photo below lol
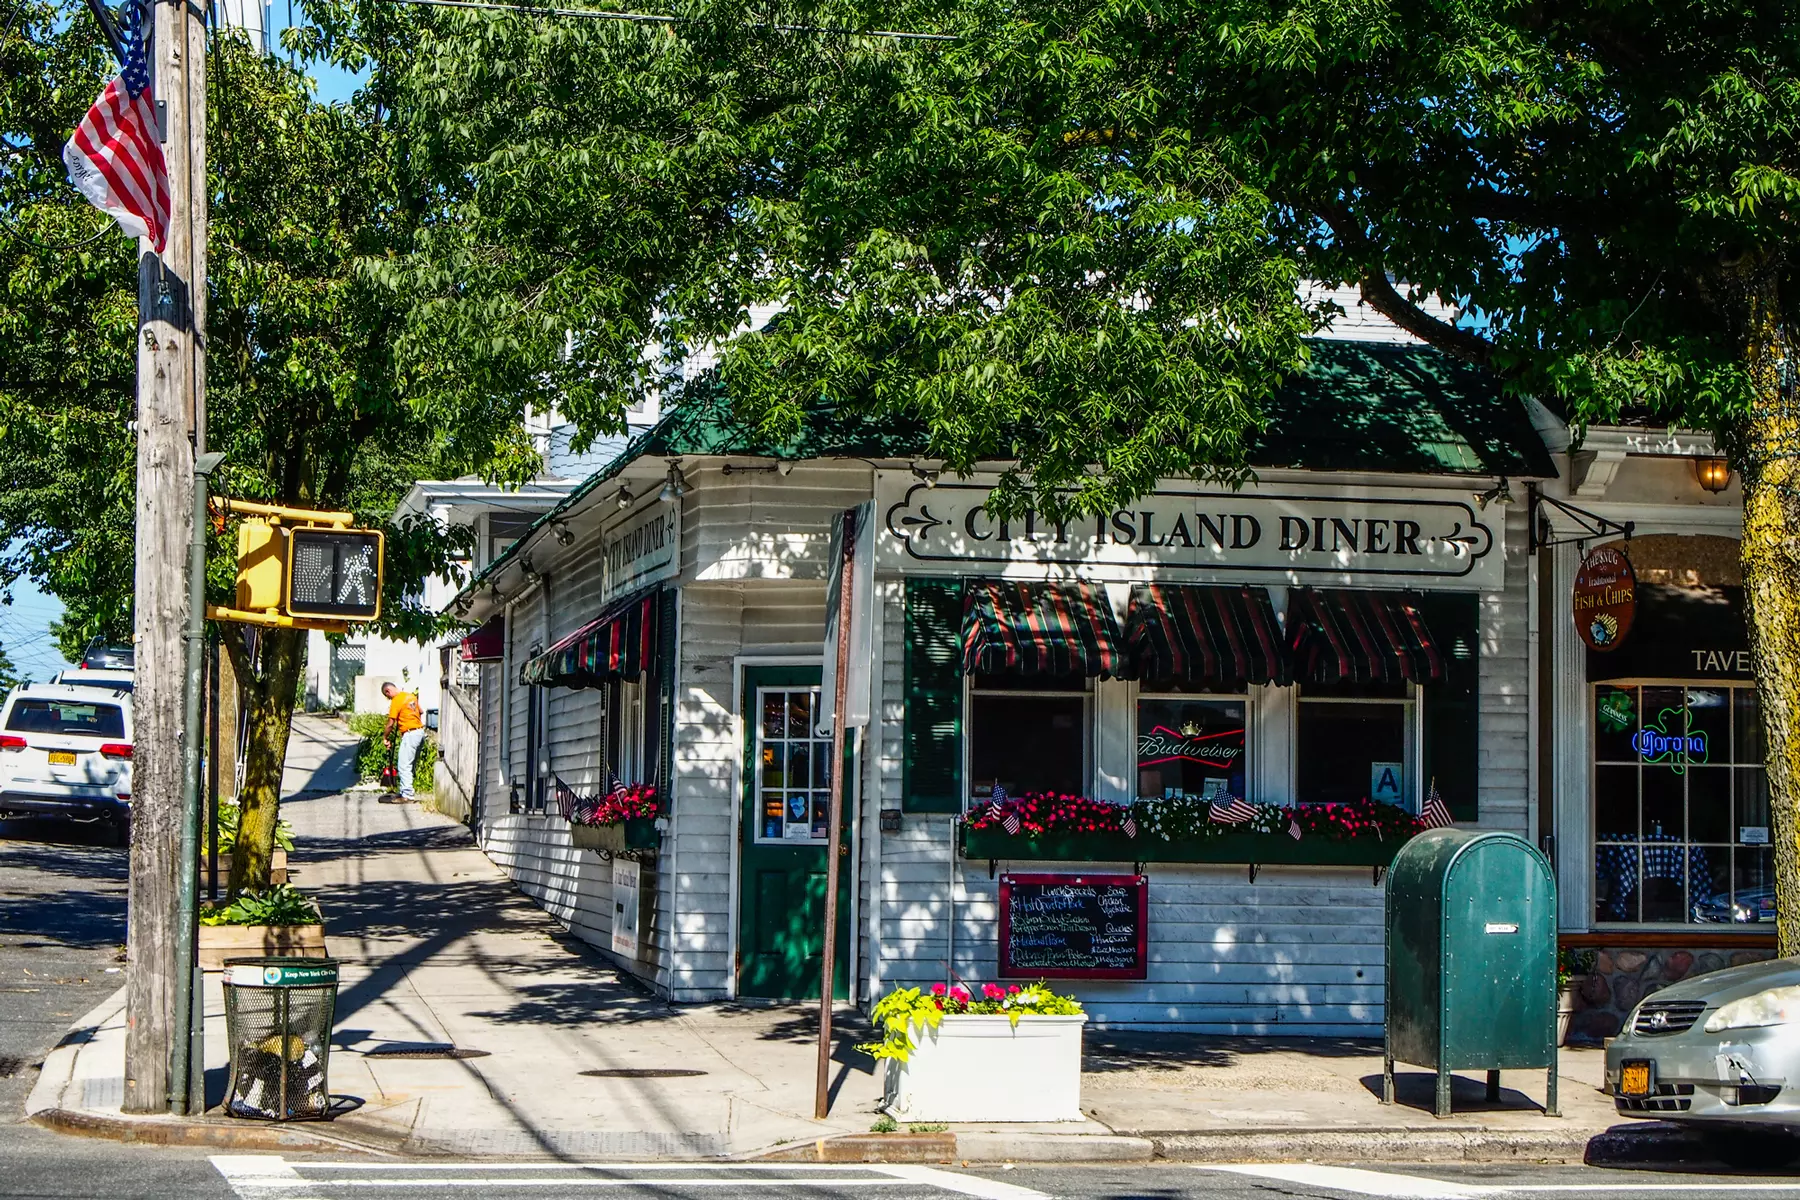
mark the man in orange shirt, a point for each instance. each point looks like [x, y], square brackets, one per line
[407, 724]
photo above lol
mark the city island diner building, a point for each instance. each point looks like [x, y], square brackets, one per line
[1369, 618]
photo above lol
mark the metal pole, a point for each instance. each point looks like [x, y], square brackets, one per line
[187, 901]
[828, 967]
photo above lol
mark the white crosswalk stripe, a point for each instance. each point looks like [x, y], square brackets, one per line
[272, 1177]
[1388, 1185]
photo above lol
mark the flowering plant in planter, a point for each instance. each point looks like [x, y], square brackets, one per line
[1357, 819]
[1188, 818]
[639, 800]
[900, 1009]
[1051, 812]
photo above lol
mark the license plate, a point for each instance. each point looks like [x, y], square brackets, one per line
[1634, 1079]
[62, 758]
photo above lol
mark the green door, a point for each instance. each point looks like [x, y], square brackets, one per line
[782, 849]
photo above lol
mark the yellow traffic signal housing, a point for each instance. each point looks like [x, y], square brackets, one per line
[334, 574]
[314, 573]
[261, 562]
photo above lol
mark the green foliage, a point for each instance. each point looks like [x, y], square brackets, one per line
[279, 905]
[897, 1012]
[9, 674]
[231, 813]
[884, 1124]
[1571, 963]
[372, 752]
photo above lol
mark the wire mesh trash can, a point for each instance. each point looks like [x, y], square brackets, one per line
[278, 1016]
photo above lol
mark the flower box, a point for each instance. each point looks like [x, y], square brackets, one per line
[985, 1068]
[1259, 848]
[633, 833]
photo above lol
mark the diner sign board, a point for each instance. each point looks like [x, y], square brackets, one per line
[641, 548]
[1604, 600]
[1074, 927]
[1428, 538]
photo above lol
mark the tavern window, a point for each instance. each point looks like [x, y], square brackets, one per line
[1029, 734]
[1191, 743]
[793, 775]
[1681, 805]
[1357, 741]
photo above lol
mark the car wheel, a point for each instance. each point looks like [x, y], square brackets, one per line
[1753, 1148]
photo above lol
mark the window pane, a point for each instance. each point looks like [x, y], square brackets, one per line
[1709, 804]
[821, 814]
[772, 815]
[1752, 803]
[1711, 900]
[1753, 885]
[1615, 721]
[1664, 803]
[1709, 715]
[1615, 804]
[773, 705]
[1616, 883]
[821, 767]
[1027, 743]
[799, 724]
[1666, 867]
[1746, 721]
[799, 816]
[774, 765]
[1339, 743]
[799, 764]
[1190, 747]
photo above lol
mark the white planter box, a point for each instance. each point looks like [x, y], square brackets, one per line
[987, 1069]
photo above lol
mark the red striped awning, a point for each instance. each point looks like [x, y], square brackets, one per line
[1204, 634]
[1340, 636]
[487, 643]
[615, 645]
[1039, 629]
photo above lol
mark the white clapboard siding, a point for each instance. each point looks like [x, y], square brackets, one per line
[1503, 777]
[764, 525]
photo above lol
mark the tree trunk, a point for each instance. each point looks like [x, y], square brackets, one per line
[1771, 561]
[268, 698]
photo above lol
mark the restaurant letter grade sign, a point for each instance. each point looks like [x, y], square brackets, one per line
[1428, 538]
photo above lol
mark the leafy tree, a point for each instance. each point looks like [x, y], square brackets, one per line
[304, 395]
[1069, 236]
[9, 674]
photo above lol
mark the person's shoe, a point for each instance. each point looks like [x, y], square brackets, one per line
[393, 798]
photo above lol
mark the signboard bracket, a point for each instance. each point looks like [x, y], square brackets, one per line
[1592, 525]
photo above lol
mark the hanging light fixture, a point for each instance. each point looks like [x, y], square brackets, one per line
[624, 497]
[674, 487]
[1714, 474]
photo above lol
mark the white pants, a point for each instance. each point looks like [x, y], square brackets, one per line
[410, 741]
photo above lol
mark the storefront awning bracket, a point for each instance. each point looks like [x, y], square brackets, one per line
[1592, 525]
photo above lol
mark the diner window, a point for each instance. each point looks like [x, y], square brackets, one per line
[1681, 806]
[1355, 741]
[1028, 734]
[1191, 745]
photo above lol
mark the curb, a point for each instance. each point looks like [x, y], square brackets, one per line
[176, 1131]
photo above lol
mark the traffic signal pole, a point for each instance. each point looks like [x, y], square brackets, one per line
[171, 415]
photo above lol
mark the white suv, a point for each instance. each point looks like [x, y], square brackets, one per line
[65, 751]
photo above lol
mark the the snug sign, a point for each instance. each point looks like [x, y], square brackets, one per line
[1301, 533]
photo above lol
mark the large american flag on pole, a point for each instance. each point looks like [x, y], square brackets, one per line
[115, 156]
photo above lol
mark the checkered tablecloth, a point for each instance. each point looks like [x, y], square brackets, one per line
[1663, 858]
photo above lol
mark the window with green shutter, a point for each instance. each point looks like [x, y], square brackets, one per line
[932, 775]
[1453, 707]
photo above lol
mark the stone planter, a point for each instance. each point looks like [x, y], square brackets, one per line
[220, 942]
[635, 833]
[987, 1069]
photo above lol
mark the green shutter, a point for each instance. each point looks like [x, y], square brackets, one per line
[1453, 707]
[666, 645]
[932, 778]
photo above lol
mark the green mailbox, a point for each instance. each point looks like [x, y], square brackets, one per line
[1471, 959]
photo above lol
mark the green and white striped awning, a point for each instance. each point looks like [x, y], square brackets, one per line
[1050, 629]
[615, 645]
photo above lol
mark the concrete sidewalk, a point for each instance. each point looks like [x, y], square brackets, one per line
[439, 949]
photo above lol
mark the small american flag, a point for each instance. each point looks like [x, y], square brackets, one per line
[1235, 812]
[115, 155]
[996, 805]
[1129, 824]
[1294, 828]
[614, 785]
[1434, 815]
[1010, 822]
[567, 802]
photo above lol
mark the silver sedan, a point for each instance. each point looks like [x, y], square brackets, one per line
[1721, 1049]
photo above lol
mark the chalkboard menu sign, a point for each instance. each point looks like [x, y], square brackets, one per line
[1074, 926]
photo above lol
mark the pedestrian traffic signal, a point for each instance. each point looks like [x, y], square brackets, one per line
[334, 574]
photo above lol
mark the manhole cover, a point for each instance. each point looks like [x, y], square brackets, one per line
[10, 1066]
[643, 1073]
[423, 1050]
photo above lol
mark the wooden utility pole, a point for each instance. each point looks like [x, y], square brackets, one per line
[828, 967]
[170, 415]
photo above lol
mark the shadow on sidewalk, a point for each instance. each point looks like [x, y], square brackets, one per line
[1124, 1050]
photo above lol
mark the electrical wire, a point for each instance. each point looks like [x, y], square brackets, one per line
[598, 14]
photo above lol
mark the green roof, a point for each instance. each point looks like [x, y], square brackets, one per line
[1359, 406]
